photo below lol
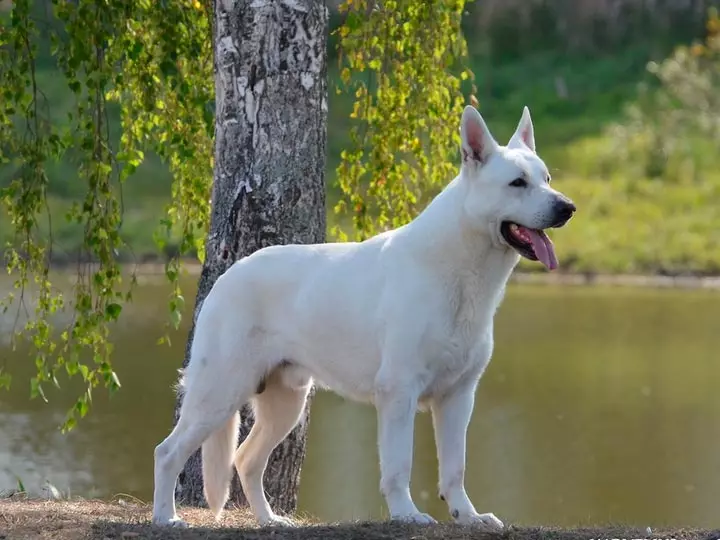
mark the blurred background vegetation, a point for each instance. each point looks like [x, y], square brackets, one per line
[624, 95]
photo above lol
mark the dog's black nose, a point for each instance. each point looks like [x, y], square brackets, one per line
[564, 210]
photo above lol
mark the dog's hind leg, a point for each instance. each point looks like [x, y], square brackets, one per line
[170, 457]
[278, 409]
[208, 418]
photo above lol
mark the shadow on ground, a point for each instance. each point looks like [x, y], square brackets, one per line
[95, 520]
[388, 531]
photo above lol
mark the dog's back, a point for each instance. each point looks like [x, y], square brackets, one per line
[312, 305]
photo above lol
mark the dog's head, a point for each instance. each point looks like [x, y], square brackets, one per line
[508, 189]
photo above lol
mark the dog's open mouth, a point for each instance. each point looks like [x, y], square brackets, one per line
[532, 244]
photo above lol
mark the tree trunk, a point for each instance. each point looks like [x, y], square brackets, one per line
[270, 136]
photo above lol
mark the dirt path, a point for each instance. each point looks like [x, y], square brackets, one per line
[95, 520]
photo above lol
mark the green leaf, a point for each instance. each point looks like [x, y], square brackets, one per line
[175, 318]
[113, 311]
[114, 383]
[5, 379]
[69, 424]
[36, 389]
[81, 407]
[135, 50]
[74, 86]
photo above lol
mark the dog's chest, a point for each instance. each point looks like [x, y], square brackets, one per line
[473, 300]
[463, 346]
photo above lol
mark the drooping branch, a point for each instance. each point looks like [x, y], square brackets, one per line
[404, 143]
[158, 65]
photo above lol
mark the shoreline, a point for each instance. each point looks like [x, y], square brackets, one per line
[618, 280]
[193, 268]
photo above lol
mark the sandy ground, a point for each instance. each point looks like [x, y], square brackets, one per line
[96, 520]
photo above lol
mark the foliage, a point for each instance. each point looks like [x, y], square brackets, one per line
[157, 64]
[513, 29]
[647, 187]
[668, 133]
[398, 58]
[635, 225]
[154, 61]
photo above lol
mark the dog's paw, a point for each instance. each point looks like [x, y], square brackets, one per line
[273, 520]
[418, 517]
[486, 522]
[174, 521]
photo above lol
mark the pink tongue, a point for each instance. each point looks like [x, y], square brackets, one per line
[544, 249]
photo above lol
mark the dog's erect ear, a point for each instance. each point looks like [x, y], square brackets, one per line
[477, 142]
[524, 134]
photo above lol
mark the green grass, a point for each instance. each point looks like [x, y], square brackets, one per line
[635, 225]
[625, 223]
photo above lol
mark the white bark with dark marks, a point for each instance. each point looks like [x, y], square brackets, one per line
[269, 188]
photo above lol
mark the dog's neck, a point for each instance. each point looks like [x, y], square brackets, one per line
[442, 234]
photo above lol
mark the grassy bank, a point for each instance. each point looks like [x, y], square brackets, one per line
[74, 520]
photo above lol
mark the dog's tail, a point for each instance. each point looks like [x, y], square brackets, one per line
[218, 452]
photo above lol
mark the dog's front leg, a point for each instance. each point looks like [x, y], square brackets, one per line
[396, 404]
[451, 418]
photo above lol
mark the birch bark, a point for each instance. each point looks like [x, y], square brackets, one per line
[269, 179]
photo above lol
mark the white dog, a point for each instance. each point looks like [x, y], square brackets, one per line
[403, 320]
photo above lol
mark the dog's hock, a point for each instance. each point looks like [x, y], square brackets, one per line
[477, 141]
[525, 133]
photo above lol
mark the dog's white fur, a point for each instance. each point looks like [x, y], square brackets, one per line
[402, 320]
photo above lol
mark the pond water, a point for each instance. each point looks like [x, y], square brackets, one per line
[600, 405]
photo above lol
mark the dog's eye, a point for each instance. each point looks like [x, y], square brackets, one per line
[518, 182]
